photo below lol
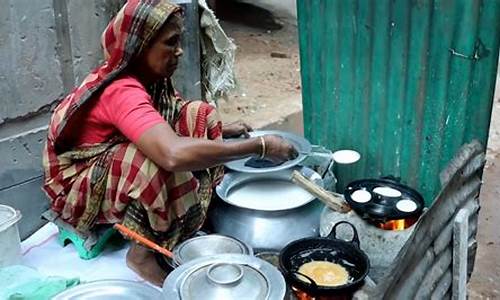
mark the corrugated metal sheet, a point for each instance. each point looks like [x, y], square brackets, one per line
[406, 83]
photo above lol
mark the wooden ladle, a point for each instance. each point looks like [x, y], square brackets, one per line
[329, 199]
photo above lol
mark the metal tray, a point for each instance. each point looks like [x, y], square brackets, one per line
[110, 290]
[301, 144]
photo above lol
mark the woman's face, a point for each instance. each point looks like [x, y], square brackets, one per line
[160, 59]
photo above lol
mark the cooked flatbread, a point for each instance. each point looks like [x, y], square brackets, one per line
[325, 273]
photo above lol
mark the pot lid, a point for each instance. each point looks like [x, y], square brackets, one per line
[301, 145]
[8, 216]
[225, 281]
[268, 191]
[110, 290]
[206, 245]
[225, 276]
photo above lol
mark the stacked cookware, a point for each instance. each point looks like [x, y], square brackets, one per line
[262, 206]
[222, 265]
[276, 213]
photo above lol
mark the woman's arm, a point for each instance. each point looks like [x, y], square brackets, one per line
[173, 153]
[236, 129]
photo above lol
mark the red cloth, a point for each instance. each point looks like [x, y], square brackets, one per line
[123, 107]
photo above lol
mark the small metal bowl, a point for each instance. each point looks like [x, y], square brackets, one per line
[206, 245]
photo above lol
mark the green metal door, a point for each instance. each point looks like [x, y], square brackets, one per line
[404, 82]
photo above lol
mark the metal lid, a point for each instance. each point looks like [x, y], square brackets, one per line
[225, 276]
[8, 216]
[110, 290]
[206, 245]
[299, 143]
[225, 281]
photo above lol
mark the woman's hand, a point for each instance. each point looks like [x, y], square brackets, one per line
[236, 129]
[278, 149]
[174, 153]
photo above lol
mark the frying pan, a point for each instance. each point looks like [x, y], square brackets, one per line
[345, 253]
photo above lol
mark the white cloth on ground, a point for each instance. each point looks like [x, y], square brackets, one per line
[42, 252]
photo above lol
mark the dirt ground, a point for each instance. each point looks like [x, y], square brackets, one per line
[268, 87]
[269, 90]
[485, 281]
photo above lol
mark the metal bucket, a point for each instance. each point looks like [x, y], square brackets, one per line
[10, 242]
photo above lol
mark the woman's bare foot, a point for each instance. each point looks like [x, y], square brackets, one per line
[142, 261]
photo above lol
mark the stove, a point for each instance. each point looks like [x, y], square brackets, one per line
[381, 246]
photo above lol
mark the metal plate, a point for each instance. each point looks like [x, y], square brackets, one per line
[110, 290]
[172, 286]
[280, 199]
[301, 144]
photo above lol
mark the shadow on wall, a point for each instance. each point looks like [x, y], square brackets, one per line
[282, 8]
[261, 14]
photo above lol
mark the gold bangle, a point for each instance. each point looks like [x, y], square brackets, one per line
[262, 147]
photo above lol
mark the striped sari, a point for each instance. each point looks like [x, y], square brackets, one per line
[113, 181]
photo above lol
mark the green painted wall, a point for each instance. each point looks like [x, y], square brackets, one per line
[405, 83]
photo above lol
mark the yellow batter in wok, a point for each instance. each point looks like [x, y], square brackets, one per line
[325, 273]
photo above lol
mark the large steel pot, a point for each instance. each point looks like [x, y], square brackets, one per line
[267, 228]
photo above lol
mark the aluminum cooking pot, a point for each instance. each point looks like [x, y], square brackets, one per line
[270, 216]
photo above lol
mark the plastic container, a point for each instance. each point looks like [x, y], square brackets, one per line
[10, 242]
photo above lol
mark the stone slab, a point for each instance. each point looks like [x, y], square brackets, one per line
[30, 72]
[21, 157]
[86, 48]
